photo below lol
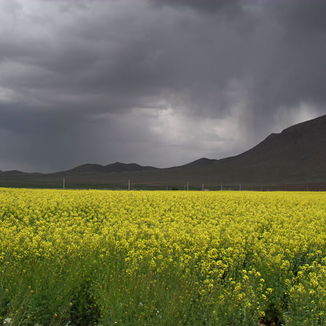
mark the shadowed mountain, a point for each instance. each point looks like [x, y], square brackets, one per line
[202, 162]
[12, 173]
[114, 167]
[296, 155]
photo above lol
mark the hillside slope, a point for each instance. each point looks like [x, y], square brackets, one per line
[114, 167]
[296, 155]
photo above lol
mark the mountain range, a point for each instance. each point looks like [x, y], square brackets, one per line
[296, 155]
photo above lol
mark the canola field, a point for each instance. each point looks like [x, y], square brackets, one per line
[136, 258]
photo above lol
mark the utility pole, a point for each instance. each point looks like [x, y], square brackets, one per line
[128, 184]
[63, 183]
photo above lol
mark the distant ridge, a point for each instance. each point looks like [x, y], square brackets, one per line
[12, 172]
[295, 155]
[199, 163]
[114, 167]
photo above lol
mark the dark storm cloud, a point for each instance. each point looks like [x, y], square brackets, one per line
[292, 72]
[303, 15]
[204, 5]
[153, 81]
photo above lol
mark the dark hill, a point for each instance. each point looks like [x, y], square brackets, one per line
[114, 167]
[87, 168]
[12, 173]
[296, 155]
[202, 162]
[126, 167]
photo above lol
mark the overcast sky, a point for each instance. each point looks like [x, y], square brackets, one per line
[157, 82]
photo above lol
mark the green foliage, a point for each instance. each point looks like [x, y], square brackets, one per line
[162, 258]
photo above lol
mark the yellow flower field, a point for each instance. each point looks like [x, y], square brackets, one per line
[90, 257]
